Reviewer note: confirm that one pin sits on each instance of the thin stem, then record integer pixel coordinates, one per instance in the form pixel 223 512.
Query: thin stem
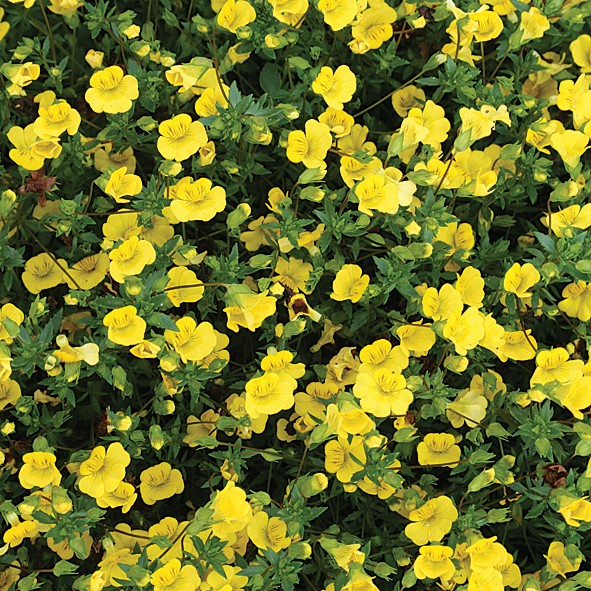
pixel 49 31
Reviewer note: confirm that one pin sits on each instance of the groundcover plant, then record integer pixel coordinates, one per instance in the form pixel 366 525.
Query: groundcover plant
pixel 294 295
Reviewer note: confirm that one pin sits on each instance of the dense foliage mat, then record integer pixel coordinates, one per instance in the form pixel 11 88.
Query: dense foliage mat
pixel 295 295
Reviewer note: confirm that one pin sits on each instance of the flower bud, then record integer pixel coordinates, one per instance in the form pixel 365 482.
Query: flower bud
pixel 238 216
pixel 7 202
pixel 60 500
pixel 8 428
pixel 314 484
pixel 170 168
pixel 244 32
pixel 170 362
pixel 94 58
pixel 133 286
pixel 300 550
pixel 156 437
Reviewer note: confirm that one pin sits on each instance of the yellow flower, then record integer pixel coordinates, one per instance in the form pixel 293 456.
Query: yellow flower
pixel 520 279
pixel 457 237
pixel 470 284
pixel 434 562
pixel 188 287
pixel 174 577
pixel 441 305
pixel 121 184
pixel 192 342
pixel 372 28
pixel 160 482
pixel 577 397
pixel 571 145
pixel 268 395
pixel 145 350
pixel 469 407
pixel 66 8
pixel 465 330
pixel 180 137
pixel 88 272
pixel 349 284
pixel 381 355
pixel 268 532
pixel 533 25
pixel 293 273
pixel 416 339
pixel 338 13
pixel 236 14
pixel 21 75
pixel 123 496
pixel 559 563
pixel 39 470
pixel 575 510
pixel 104 470
pixel 290 12
pixel 359 580
pixel 247 308
pixel 196 200
pixel 407 98
pixel 510 573
pixel 344 458
pixel 554 365
pixel 30 151
pixel 125 326
pixel 55 119
pixel 197 429
pixel 580 49
pixel 486 554
pixel 310 147
pixel 382 393
pixel 281 365
pixel 89 353
pixel 373 192
pixel 4 28
pixel 130 258
pixel 231 511
pixel 10 392
pixel 110 567
pixel 439 449
pixel 111 91
pixel 517 345
pixel 94 58
pixel 575 97
pixel 432 521
pixel 561 222
pixel 344 554
pixel 488 25
pixel 577 301
pixel 19 531
pixel 337 87
pixel 42 272
pixel 487 580
pixel 230 581
pixel 12 313
pixel 432 122
pixel 104 158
